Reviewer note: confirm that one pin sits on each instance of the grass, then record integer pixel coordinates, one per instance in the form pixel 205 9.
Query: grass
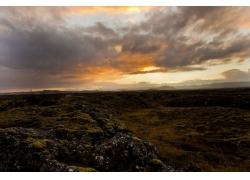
pixel 46 118
pixel 185 139
pixel 186 130
pixel 205 136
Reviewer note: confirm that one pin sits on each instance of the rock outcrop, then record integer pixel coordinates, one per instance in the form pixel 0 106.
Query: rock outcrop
pixel 88 140
pixel 28 149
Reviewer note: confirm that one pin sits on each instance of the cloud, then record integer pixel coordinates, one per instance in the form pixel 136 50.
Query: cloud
pixel 40 40
pixel 112 9
pixel 102 30
pixel 196 35
pixel 60 12
pixel 164 36
pixel 142 44
pixel 188 36
pixel 23 80
pixel 165 70
pixel 236 74
pixel 52 49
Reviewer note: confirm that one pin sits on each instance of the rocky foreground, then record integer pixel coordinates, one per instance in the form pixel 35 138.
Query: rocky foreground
pixel 90 141
pixel 27 149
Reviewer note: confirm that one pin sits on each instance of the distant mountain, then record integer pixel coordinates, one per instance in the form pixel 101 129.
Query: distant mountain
pixel 166 88
pixel 216 85
pixel 162 88
pixel 50 91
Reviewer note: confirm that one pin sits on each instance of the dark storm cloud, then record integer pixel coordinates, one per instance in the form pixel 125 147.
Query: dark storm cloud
pixel 136 43
pixel 237 46
pixel 179 53
pixel 51 49
pixel 101 29
pixel 16 80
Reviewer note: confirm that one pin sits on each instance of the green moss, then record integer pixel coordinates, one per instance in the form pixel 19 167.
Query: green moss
pixel 84 116
pixel 109 125
pixel 45 152
pixel 60 126
pixel 63 141
pixel 38 143
pixel 121 127
pixel 156 124
pixel 156 162
pixel 54 161
pixel 49 113
pixel 108 147
pixel 87 146
pixel 135 138
pixel 94 130
pixel 83 169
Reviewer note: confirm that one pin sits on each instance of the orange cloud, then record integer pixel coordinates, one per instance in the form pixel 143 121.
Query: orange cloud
pixel 124 65
pixel 54 14
pixel 92 73
pixel 110 9
pixel 128 63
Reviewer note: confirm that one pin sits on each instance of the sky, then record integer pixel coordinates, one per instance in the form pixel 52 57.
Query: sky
pixel 105 47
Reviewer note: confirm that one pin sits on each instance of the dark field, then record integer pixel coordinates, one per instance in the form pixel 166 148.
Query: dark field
pixel 209 129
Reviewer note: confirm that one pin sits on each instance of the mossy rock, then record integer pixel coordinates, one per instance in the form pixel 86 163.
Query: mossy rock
pixel 64 141
pixel 156 163
pixel 94 130
pixel 46 152
pixel 38 143
pixel 135 138
pixel 121 127
pixel 83 169
pixel 54 161
pixel 28 135
pixel 59 126
pixel 151 145
pixel 88 146
pixel 109 125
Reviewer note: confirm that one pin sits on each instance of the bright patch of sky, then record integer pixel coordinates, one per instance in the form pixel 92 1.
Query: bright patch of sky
pixel 107 18
pixel 211 73
pixel 244 30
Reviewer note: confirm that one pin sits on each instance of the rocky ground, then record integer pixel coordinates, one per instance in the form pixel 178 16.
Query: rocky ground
pixel 199 130
pixel 69 136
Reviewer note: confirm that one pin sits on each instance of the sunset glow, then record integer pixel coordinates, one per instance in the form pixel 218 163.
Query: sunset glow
pixel 96 47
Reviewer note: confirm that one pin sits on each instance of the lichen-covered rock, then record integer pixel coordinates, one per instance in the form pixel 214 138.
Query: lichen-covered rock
pixel 72 137
pixel 27 149
pixel 22 150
